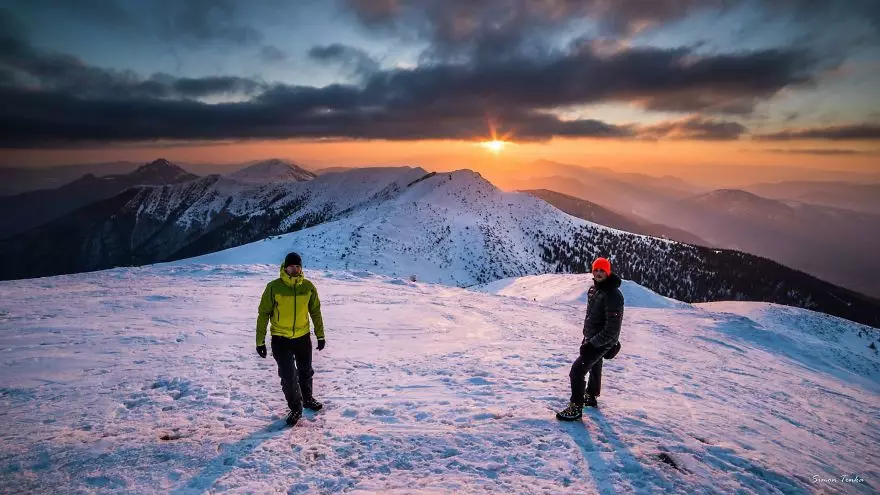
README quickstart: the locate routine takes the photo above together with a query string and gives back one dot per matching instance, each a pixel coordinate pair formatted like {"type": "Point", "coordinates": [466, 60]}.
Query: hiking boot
{"type": "Point", "coordinates": [573, 412]}
{"type": "Point", "coordinates": [312, 404]}
{"type": "Point", "coordinates": [293, 417]}
{"type": "Point", "coordinates": [590, 401]}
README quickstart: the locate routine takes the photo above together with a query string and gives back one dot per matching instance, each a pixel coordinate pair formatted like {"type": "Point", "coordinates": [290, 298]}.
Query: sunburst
{"type": "Point", "coordinates": [495, 144]}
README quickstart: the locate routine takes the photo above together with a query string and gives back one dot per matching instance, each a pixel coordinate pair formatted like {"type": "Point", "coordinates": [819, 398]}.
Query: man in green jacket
{"type": "Point", "coordinates": [287, 303]}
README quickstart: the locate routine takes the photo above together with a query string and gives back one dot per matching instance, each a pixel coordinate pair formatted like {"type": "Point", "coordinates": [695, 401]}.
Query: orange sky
{"type": "Point", "coordinates": [695, 160]}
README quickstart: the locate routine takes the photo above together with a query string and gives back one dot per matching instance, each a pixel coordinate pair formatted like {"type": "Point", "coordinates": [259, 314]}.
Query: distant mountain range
{"type": "Point", "coordinates": [147, 224]}
{"type": "Point", "coordinates": [594, 213]}
{"type": "Point", "coordinates": [837, 245]}
{"type": "Point", "coordinates": [269, 171]}
{"type": "Point", "coordinates": [615, 193]}
{"type": "Point", "coordinates": [17, 180]}
{"type": "Point", "coordinates": [454, 228]}
{"type": "Point", "coordinates": [863, 198]}
{"type": "Point", "coordinates": [832, 243]}
{"type": "Point", "coordinates": [22, 212]}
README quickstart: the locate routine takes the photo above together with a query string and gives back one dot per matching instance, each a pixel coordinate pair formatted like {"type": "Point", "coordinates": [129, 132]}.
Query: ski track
{"type": "Point", "coordinates": [145, 380]}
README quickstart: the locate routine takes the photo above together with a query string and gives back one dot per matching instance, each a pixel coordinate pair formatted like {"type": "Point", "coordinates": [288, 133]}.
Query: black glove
{"type": "Point", "coordinates": [586, 347]}
{"type": "Point", "coordinates": [261, 350]}
{"type": "Point", "coordinates": [613, 351]}
{"type": "Point", "coordinates": [321, 344]}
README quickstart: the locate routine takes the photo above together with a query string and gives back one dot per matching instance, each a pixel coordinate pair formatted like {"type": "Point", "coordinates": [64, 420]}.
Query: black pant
{"type": "Point", "coordinates": [589, 361]}
{"type": "Point", "coordinates": [294, 358]}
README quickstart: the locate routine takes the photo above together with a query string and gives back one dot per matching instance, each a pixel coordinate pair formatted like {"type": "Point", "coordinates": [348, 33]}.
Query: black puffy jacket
{"type": "Point", "coordinates": [604, 312]}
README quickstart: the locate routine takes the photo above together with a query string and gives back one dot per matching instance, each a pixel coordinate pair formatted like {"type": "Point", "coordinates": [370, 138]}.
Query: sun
{"type": "Point", "coordinates": [495, 143]}
{"type": "Point", "coordinates": [495, 146]}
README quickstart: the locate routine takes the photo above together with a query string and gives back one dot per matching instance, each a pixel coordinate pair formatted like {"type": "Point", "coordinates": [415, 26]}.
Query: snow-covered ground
{"type": "Point", "coordinates": [145, 380]}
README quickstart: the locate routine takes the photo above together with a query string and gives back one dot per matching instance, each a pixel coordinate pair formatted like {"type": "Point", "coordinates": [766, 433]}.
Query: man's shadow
{"type": "Point", "coordinates": [229, 457]}
{"type": "Point", "coordinates": [647, 479]}
{"type": "Point", "coordinates": [642, 478]}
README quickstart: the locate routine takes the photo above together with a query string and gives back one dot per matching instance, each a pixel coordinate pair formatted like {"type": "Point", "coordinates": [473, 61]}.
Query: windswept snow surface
{"type": "Point", "coordinates": [145, 380]}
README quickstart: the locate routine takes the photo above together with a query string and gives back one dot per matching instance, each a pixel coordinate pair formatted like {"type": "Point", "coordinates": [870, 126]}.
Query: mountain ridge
{"type": "Point", "coordinates": [272, 170]}
{"type": "Point", "coordinates": [459, 229]}
{"type": "Point", "coordinates": [22, 212]}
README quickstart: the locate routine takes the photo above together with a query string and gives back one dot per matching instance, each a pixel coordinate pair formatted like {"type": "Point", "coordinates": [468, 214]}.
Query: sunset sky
{"type": "Point", "coordinates": [640, 85]}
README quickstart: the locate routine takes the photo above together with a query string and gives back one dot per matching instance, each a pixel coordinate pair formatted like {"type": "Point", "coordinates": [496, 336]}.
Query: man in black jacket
{"type": "Point", "coordinates": [601, 332]}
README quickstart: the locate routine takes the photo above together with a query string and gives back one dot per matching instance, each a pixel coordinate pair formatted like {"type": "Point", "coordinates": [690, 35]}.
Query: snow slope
{"type": "Point", "coordinates": [454, 228]}
{"type": "Point", "coordinates": [145, 380]}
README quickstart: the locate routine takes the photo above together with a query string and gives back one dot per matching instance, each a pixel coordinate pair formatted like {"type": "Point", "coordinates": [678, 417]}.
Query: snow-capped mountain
{"type": "Point", "coordinates": [148, 224]}
{"type": "Point", "coordinates": [22, 212]}
{"type": "Point", "coordinates": [270, 171]}
{"type": "Point", "coordinates": [145, 380]}
{"type": "Point", "coordinates": [458, 229]}
{"type": "Point", "coordinates": [455, 228]}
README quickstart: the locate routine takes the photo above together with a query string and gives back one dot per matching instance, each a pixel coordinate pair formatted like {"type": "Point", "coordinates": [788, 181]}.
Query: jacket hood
{"type": "Point", "coordinates": [288, 280]}
{"type": "Point", "coordinates": [612, 282]}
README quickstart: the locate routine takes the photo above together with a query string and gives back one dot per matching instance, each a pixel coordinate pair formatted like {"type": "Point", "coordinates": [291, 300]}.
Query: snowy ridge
{"type": "Point", "coordinates": [454, 228]}
{"type": "Point", "coordinates": [572, 289]}
{"type": "Point", "coordinates": [145, 380]}
{"type": "Point", "coordinates": [269, 171]}
{"type": "Point", "coordinates": [196, 204]}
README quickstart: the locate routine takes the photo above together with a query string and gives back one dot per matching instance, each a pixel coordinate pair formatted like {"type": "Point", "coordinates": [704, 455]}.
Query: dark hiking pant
{"type": "Point", "coordinates": [294, 358]}
{"type": "Point", "coordinates": [589, 361]}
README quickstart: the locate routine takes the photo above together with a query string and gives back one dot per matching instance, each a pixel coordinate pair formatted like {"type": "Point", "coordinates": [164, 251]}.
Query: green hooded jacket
{"type": "Point", "coordinates": [287, 304]}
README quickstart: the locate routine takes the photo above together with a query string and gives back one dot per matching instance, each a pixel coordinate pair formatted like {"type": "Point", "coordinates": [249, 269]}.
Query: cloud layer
{"type": "Point", "coordinates": [499, 61]}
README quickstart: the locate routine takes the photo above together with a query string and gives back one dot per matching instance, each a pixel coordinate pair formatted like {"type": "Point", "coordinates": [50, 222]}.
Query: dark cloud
{"type": "Point", "coordinates": [55, 98]}
{"type": "Point", "coordinates": [51, 119]}
{"type": "Point", "coordinates": [355, 60]}
{"type": "Point", "coordinates": [25, 67]}
{"type": "Point", "coordinates": [506, 24]}
{"type": "Point", "coordinates": [497, 27]}
{"type": "Point", "coordinates": [671, 80]}
{"type": "Point", "coordinates": [696, 128]}
{"type": "Point", "coordinates": [822, 151]}
{"type": "Point", "coordinates": [855, 132]}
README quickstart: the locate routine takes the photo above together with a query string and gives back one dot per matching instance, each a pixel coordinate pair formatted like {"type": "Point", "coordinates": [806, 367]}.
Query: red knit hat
{"type": "Point", "coordinates": [602, 264]}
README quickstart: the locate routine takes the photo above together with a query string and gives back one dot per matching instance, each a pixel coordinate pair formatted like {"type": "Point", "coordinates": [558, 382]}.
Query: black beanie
{"type": "Point", "coordinates": [292, 259]}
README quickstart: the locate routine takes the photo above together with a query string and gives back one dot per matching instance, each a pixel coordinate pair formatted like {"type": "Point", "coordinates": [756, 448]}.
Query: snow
{"type": "Point", "coordinates": [145, 380]}
{"type": "Point", "coordinates": [453, 228]}
{"type": "Point", "coordinates": [572, 289]}
{"type": "Point", "coordinates": [200, 201]}
{"type": "Point", "coordinates": [816, 340]}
